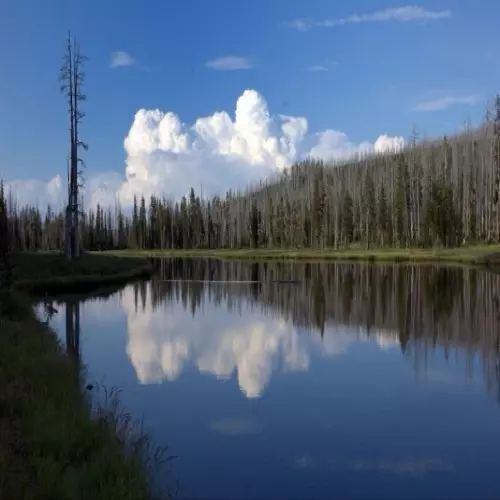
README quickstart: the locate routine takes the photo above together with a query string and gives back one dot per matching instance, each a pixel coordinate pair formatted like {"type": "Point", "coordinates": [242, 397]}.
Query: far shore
{"type": "Point", "coordinates": [480, 255]}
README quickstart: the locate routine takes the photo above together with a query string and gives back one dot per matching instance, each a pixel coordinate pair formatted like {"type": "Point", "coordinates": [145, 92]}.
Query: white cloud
{"type": "Point", "coordinates": [38, 193]}
{"type": "Point", "coordinates": [120, 59]}
{"type": "Point", "coordinates": [445, 103]}
{"type": "Point", "coordinates": [217, 152]}
{"type": "Point", "coordinates": [388, 144]}
{"type": "Point", "coordinates": [324, 66]}
{"type": "Point", "coordinates": [317, 67]}
{"type": "Point", "coordinates": [408, 13]}
{"type": "Point", "coordinates": [230, 63]}
{"type": "Point", "coordinates": [333, 146]}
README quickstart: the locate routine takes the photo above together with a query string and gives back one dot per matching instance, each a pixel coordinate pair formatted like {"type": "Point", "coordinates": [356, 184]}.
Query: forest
{"type": "Point", "coordinates": [441, 192]}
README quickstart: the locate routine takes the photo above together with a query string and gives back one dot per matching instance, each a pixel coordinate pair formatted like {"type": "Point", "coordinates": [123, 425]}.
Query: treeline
{"type": "Point", "coordinates": [5, 247]}
{"type": "Point", "coordinates": [420, 307]}
{"type": "Point", "coordinates": [442, 192]}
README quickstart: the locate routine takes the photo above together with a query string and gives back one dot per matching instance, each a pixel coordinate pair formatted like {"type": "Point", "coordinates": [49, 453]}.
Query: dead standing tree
{"type": "Point", "coordinates": [72, 78]}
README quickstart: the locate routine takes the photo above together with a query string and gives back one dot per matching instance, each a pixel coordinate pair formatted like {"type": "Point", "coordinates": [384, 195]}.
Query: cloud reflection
{"type": "Point", "coordinates": [402, 466]}
{"type": "Point", "coordinates": [235, 426]}
{"type": "Point", "coordinates": [165, 342]}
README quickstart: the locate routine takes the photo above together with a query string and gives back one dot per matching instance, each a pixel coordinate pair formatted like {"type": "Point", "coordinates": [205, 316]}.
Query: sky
{"type": "Point", "coordinates": [219, 94]}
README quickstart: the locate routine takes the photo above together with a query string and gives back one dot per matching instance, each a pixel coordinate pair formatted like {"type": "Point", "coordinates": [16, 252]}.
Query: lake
{"type": "Point", "coordinates": [356, 381]}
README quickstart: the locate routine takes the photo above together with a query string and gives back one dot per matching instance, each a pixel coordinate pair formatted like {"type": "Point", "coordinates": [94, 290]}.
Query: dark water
{"type": "Point", "coordinates": [358, 382]}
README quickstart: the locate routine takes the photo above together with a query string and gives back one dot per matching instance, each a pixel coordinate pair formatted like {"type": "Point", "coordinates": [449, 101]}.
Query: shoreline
{"type": "Point", "coordinates": [87, 274]}
{"type": "Point", "coordinates": [476, 255]}
{"type": "Point", "coordinates": [50, 445]}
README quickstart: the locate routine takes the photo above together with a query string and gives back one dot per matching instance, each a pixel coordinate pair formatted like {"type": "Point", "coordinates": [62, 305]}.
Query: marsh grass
{"type": "Point", "coordinates": [54, 442]}
{"type": "Point", "coordinates": [107, 410]}
{"type": "Point", "coordinates": [486, 255]}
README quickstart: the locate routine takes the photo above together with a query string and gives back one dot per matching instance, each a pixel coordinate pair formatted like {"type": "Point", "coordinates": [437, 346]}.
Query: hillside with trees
{"type": "Point", "coordinates": [433, 193]}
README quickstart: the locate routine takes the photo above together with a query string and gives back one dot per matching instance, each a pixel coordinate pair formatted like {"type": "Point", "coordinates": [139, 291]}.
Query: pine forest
{"type": "Point", "coordinates": [433, 193]}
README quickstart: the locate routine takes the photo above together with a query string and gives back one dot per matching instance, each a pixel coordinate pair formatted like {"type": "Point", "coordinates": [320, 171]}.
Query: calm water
{"type": "Point", "coordinates": [358, 382]}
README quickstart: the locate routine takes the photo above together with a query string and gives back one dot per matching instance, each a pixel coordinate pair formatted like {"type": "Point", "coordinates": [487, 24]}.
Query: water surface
{"type": "Point", "coordinates": [360, 381]}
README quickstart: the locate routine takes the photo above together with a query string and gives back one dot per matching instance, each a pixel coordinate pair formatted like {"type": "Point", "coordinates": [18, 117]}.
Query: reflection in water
{"type": "Point", "coordinates": [48, 313]}
{"type": "Point", "coordinates": [73, 330]}
{"type": "Point", "coordinates": [406, 466]}
{"type": "Point", "coordinates": [235, 426]}
{"type": "Point", "coordinates": [330, 401]}
{"type": "Point", "coordinates": [163, 344]}
{"type": "Point", "coordinates": [413, 308]}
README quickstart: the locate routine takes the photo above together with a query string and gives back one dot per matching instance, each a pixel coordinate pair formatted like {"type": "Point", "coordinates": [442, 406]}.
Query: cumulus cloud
{"type": "Point", "coordinates": [445, 103]}
{"type": "Point", "coordinates": [219, 152]}
{"type": "Point", "coordinates": [407, 13]}
{"type": "Point", "coordinates": [333, 146]}
{"type": "Point", "coordinates": [388, 144]}
{"type": "Point", "coordinates": [165, 342]}
{"type": "Point", "coordinates": [38, 193]}
{"type": "Point", "coordinates": [120, 59]}
{"type": "Point", "coordinates": [230, 63]}
{"type": "Point", "coordinates": [167, 156]}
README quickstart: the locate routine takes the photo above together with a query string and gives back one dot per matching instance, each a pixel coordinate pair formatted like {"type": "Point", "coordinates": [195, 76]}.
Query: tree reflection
{"type": "Point", "coordinates": [425, 306]}
{"type": "Point", "coordinates": [73, 330]}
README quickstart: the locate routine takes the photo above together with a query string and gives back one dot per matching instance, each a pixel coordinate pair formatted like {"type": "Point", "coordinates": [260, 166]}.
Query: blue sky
{"type": "Point", "coordinates": [377, 69]}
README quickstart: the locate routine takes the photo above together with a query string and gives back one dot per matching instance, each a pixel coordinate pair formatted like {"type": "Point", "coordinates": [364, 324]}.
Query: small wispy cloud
{"type": "Point", "coordinates": [121, 59]}
{"type": "Point", "coordinates": [324, 66]}
{"type": "Point", "coordinates": [445, 103]}
{"type": "Point", "coordinates": [407, 13]}
{"type": "Point", "coordinates": [317, 67]}
{"type": "Point", "coordinates": [230, 63]}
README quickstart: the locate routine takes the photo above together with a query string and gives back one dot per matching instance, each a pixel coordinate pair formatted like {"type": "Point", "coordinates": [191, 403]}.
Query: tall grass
{"type": "Point", "coordinates": [54, 442]}
{"type": "Point", "coordinates": [107, 410]}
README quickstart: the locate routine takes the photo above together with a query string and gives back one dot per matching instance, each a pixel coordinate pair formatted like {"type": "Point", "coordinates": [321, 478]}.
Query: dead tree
{"type": "Point", "coordinates": [72, 78]}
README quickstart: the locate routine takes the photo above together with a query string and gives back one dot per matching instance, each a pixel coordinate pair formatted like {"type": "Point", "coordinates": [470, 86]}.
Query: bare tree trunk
{"type": "Point", "coordinates": [72, 78]}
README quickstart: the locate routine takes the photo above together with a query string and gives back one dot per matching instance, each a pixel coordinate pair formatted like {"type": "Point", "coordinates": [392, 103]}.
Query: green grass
{"type": "Point", "coordinates": [49, 272]}
{"type": "Point", "coordinates": [472, 255]}
{"type": "Point", "coordinates": [50, 447]}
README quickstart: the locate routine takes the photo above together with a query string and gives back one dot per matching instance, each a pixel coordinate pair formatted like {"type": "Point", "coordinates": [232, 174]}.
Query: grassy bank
{"type": "Point", "coordinates": [473, 255]}
{"type": "Point", "coordinates": [48, 272]}
{"type": "Point", "coordinates": [49, 445]}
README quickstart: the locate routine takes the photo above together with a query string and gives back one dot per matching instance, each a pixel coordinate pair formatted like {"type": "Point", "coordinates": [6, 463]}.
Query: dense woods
{"type": "Point", "coordinates": [442, 192]}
